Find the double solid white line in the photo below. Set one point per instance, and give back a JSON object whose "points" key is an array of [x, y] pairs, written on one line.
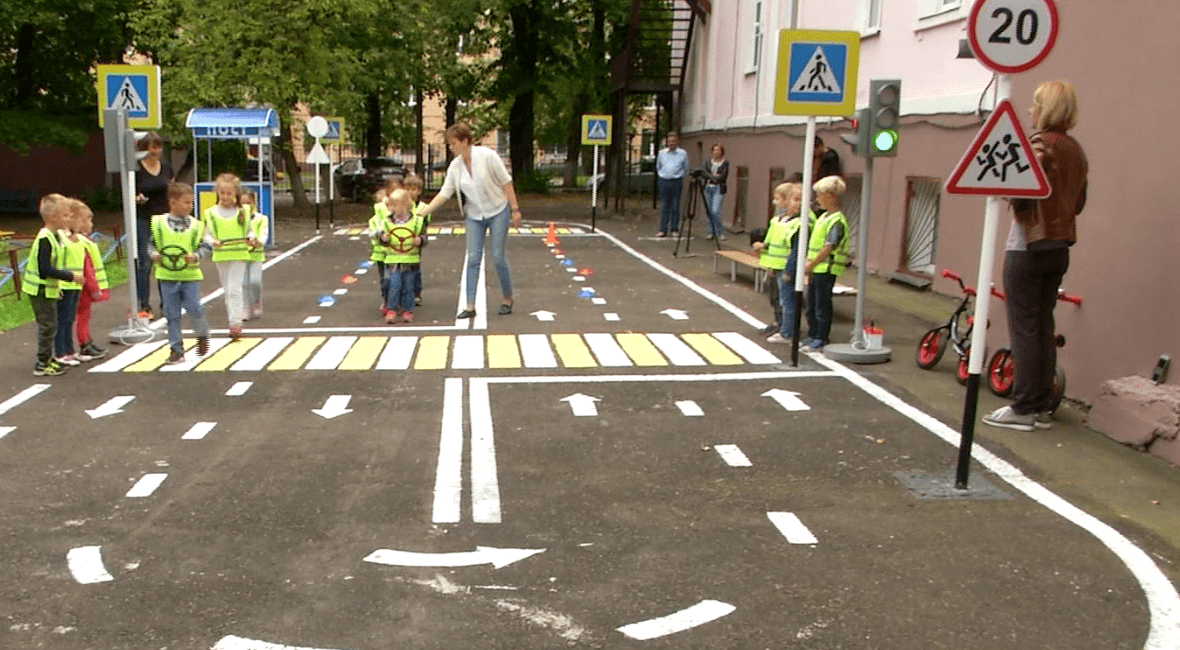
{"points": [[448, 482]]}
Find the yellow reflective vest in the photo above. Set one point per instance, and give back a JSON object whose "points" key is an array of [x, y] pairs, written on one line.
{"points": [[174, 246], [32, 279], [230, 230], [401, 235]]}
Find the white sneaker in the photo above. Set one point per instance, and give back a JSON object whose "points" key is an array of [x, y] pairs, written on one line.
{"points": [[68, 360], [1043, 420], [777, 338], [1006, 418]]}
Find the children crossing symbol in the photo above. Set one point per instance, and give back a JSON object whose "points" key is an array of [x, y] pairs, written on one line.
{"points": [[1000, 161]]}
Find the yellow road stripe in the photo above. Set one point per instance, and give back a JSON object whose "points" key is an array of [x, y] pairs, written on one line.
{"points": [[503, 352], [227, 356], [156, 359], [563, 231], [459, 231], [432, 353], [295, 356], [714, 351], [572, 351], [640, 349], [363, 354]]}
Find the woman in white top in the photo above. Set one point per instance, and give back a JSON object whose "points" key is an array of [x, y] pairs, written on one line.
{"points": [[487, 199]]}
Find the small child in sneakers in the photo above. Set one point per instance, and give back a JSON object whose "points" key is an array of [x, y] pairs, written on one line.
{"points": [[376, 248], [44, 269], [402, 236], [259, 225], [95, 287], [413, 185], [73, 258], [176, 249]]}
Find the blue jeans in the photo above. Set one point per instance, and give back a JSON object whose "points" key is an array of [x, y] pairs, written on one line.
{"points": [[788, 303], [713, 199], [399, 288], [187, 295], [67, 308], [670, 190], [477, 230], [143, 263], [819, 306]]}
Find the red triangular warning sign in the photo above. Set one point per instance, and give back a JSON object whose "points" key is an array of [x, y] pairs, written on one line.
{"points": [[1000, 161]]}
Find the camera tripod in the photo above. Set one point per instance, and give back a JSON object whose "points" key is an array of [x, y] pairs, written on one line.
{"points": [[696, 192]]}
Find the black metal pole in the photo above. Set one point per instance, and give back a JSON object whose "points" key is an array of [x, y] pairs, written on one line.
{"points": [[968, 432]]}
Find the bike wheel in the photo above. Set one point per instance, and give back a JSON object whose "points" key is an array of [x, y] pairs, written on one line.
{"points": [[963, 368], [931, 347], [1058, 389], [1000, 371]]}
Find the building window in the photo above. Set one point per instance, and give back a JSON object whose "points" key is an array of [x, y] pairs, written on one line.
{"points": [[921, 225], [932, 13], [755, 57], [870, 17]]}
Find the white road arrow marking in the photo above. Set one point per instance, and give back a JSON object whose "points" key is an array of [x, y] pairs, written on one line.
{"points": [[497, 557], [336, 405], [582, 405], [675, 314], [239, 643], [543, 315], [699, 614], [787, 399], [22, 397], [791, 528], [85, 564], [110, 407]]}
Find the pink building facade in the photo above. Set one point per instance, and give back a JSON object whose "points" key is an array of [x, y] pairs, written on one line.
{"points": [[1125, 261]]}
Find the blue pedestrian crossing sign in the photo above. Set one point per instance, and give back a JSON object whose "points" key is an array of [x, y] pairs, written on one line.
{"points": [[596, 129], [335, 130], [133, 88], [817, 72]]}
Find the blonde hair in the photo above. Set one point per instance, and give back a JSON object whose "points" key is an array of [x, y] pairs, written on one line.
{"points": [[248, 194], [379, 195], [177, 190], [833, 185], [229, 178], [412, 182], [52, 205], [393, 183], [1057, 103], [399, 196], [785, 189]]}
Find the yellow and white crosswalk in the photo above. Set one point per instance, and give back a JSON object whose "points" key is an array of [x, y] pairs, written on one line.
{"points": [[447, 352], [460, 230]]}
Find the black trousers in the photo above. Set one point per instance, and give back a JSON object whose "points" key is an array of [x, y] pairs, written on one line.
{"points": [[1031, 280]]}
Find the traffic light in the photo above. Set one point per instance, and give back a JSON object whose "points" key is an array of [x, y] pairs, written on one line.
{"points": [[859, 141], [120, 142], [884, 117]]}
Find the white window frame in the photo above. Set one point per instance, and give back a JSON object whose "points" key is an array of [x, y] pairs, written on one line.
{"points": [[933, 13], [754, 55], [865, 14]]}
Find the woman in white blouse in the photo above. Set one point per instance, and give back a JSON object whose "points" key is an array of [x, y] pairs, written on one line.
{"points": [[487, 199]]}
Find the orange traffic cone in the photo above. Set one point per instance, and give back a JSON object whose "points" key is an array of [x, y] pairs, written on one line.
{"points": [[551, 236]]}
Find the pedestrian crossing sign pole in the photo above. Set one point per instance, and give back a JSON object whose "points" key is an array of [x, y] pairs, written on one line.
{"points": [[596, 130], [134, 89]]}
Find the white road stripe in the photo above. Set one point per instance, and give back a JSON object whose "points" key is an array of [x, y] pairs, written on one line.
{"points": [[480, 322], [86, 566], [598, 301], [749, 350], [331, 354], [611, 316], [677, 351], [239, 388], [699, 614], [791, 528], [191, 359], [198, 431], [22, 397], [468, 352], [360, 272], [607, 350], [6, 430], [535, 351], [689, 408], [262, 354], [129, 356], [448, 478], [398, 353], [340, 292], [239, 643], [311, 320], [485, 485], [146, 485], [732, 455]]}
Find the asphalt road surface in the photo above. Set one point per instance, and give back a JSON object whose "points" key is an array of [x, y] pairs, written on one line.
{"points": [[621, 463]]}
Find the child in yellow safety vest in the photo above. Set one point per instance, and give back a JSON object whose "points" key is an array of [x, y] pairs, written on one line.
{"points": [[376, 250], [177, 244], [827, 257], [73, 258], [780, 253], [413, 185], [95, 287], [403, 236], [40, 278], [228, 232], [260, 229]]}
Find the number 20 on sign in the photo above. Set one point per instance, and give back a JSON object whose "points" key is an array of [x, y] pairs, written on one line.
{"points": [[1010, 36]]}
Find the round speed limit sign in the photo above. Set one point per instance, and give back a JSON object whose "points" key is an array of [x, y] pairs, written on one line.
{"points": [[1012, 36]]}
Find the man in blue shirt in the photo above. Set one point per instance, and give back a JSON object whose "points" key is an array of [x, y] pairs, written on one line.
{"points": [[671, 166]]}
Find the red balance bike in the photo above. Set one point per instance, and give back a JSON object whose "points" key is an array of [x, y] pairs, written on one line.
{"points": [[1002, 366], [955, 333]]}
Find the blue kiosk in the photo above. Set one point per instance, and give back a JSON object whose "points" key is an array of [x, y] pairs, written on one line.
{"points": [[253, 126]]}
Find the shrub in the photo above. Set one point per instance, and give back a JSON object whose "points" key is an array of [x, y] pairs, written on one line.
{"points": [[533, 182]]}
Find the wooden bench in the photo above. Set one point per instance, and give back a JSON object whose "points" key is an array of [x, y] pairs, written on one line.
{"points": [[749, 259]]}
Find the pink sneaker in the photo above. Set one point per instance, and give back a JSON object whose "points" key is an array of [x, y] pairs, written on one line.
{"points": [[391, 317], [408, 317]]}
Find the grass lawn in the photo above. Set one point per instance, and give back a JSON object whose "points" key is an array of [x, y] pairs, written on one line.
{"points": [[14, 313]]}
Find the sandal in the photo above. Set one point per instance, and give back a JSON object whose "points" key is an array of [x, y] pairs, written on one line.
{"points": [[466, 313], [505, 309]]}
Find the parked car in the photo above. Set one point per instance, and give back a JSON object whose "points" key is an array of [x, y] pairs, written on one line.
{"points": [[358, 179]]}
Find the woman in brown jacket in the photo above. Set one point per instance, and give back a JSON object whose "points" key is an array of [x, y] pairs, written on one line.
{"points": [[1038, 257]]}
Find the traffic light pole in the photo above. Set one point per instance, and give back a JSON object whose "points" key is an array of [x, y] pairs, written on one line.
{"points": [[120, 157], [987, 255]]}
